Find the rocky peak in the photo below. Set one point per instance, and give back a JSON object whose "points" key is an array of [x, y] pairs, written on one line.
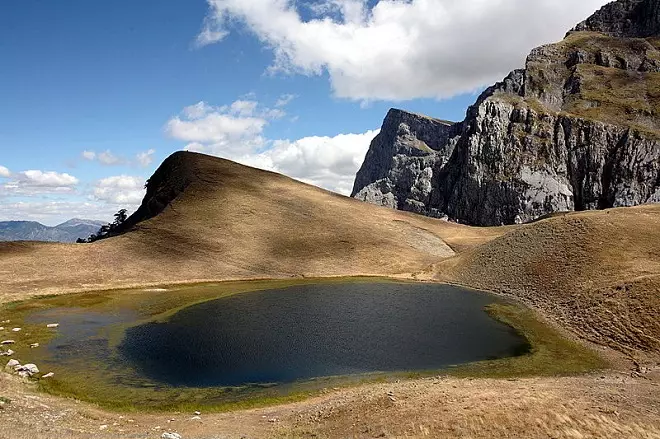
{"points": [[578, 128], [403, 151], [625, 19]]}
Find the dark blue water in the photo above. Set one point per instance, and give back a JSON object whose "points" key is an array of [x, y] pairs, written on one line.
{"points": [[302, 332]]}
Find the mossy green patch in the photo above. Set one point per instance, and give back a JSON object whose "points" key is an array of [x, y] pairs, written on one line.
{"points": [[111, 383], [550, 353]]}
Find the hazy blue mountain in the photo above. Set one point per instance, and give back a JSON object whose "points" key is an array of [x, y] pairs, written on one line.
{"points": [[68, 231]]}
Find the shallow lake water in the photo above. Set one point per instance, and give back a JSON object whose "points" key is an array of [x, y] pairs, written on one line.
{"points": [[309, 331]]}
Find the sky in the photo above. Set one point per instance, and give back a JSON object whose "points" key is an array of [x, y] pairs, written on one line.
{"points": [[95, 95]]}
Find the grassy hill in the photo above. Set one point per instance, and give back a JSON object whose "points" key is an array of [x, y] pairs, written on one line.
{"points": [[598, 272], [205, 218], [208, 219]]}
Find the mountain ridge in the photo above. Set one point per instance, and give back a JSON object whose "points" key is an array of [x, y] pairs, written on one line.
{"points": [[68, 231], [577, 129]]}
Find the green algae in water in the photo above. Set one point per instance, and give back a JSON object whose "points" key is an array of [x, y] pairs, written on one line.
{"points": [[107, 378]]}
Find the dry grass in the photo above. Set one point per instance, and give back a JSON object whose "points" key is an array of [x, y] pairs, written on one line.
{"points": [[598, 272], [617, 97], [235, 222], [607, 406]]}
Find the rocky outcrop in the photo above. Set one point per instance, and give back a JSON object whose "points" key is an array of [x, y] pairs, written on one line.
{"points": [[625, 18], [577, 129], [401, 161]]}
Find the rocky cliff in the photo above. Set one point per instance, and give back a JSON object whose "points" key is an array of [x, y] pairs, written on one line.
{"points": [[577, 129]]}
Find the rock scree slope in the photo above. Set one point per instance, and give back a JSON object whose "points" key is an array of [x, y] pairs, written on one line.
{"points": [[577, 129]]}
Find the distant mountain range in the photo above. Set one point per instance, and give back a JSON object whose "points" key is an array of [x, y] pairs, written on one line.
{"points": [[68, 231]]}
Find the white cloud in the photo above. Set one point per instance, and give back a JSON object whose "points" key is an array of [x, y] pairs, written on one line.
{"points": [[327, 162], [4, 172], [36, 182], [243, 108], [121, 190], [228, 130], [55, 212], [145, 158], [285, 100], [108, 158], [399, 50], [89, 155], [212, 31], [197, 111], [104, 157], [236, 132], [50, 179]]}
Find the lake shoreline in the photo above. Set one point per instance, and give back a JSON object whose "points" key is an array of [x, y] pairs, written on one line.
{"points": [[519, 318]]}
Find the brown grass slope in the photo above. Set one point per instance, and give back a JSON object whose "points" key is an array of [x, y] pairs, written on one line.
{"points": [[228, 221], [597, 272]]}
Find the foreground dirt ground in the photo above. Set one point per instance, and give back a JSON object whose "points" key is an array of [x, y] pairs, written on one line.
{"points": [[611, 405]]}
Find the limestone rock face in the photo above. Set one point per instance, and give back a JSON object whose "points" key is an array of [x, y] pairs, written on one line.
{"points": [[398, 170], [577, 129]]}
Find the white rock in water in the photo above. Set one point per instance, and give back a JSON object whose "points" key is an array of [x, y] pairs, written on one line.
{"points": [[24, 374], [16, 329], [48, 375], [8, 342], [13, 363], [2, 328], [34, 345], [7, 353], [52, 325], [171, 436]]}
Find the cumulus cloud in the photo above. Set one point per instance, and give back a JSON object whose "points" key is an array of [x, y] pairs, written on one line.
{"points": [[4, 172], [399, 50], [36, 182], [145, 158], [229, 129], [108, 158], [236, 132], [89, 155], [104, 157], [120, 190], [327, 162], [212, 31], [49, 179]]}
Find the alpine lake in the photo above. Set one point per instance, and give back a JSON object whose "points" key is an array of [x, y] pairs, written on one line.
{"points": [[232, 345]]}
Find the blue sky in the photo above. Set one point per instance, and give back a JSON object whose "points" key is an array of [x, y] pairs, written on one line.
{"points": [[94, 95]]}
